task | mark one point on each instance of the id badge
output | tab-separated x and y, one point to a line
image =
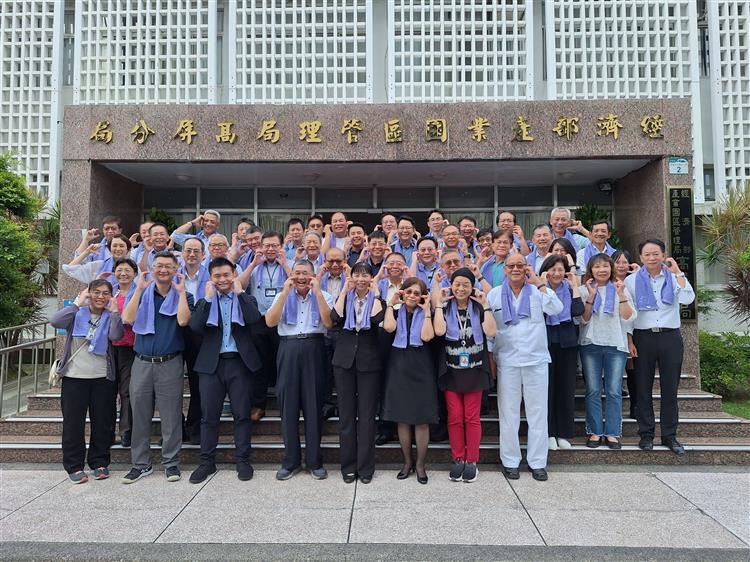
463	360
271	292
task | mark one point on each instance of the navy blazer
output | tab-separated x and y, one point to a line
208	354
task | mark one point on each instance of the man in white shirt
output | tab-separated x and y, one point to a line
522	357
564	227
659	288
302	312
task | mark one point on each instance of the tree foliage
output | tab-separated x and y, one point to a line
19	251
727	235
589	213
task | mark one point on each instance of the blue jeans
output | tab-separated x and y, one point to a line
595	359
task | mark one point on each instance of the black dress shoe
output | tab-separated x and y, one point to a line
365	479
613	444
592	443
511	473
329	412
202	472
244	471
422	479
646	443
674	445
383	438
125	441
349	478
539	474
404	475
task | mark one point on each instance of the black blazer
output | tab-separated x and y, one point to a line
208	355
567	332
362	346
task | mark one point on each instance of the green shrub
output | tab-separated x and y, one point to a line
725	364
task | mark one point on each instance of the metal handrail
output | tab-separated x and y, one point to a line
23	326
46	345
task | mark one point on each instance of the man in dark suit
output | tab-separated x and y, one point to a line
227	362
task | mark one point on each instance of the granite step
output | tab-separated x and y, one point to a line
688	401
269	449
692	424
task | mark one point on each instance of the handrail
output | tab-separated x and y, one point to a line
23	326
26	345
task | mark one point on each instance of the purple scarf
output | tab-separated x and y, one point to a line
397	247
144	319
486	269
422	274
563	293
325	278
213	313
590	251
510	316
245	259
570	238
609	301
291	311
644	296
203	278
351	315
452	332
446	281
415	334
99	342
277	276
383	288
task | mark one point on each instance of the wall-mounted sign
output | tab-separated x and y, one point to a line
678	166
681	243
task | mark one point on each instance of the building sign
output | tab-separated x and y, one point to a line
435	129
681	243
678	166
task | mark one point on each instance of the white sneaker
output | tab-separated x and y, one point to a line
563	443
552	443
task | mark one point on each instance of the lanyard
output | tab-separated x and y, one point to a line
462	325
271	276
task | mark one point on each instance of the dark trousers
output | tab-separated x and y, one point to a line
385	341
561	392
358	394
662	349
329	400
267	342
231	377
301	384
124	356
632	390
97	396
192	422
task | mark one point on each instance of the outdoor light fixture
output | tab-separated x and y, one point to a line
606	186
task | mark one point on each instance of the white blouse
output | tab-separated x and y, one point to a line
607	329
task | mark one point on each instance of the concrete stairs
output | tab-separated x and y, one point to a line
710	436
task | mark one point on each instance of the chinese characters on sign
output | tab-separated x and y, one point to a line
681	244
435	129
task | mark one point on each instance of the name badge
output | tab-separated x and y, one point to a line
463	360
271	291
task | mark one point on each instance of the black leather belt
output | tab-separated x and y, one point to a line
301	337
156	359
229	355
657	330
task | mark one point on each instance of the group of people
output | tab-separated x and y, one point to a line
411	330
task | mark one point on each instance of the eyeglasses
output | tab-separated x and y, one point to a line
515	266
452	262
191	251
271	246
163	266
218	245
334	261
100	294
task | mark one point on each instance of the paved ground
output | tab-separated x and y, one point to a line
578	508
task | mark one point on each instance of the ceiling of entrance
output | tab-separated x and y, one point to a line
524	173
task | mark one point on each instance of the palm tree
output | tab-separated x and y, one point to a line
727	234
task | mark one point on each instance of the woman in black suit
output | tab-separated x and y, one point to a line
356	369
